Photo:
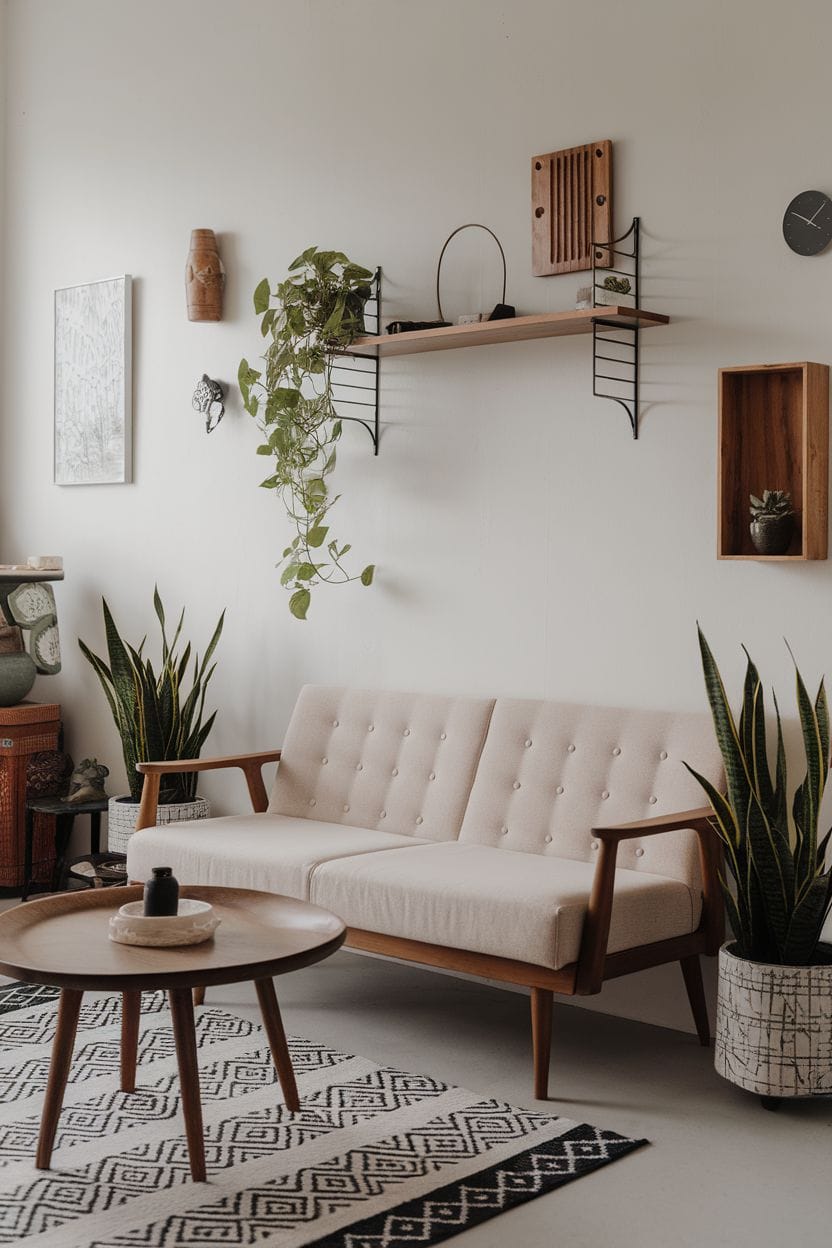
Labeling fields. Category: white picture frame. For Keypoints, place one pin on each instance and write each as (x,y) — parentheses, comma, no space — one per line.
(93,416)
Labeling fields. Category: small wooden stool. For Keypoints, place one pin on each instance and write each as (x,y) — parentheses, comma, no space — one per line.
(64,814)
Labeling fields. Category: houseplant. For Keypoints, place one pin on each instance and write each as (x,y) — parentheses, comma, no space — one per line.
(774,1011)
(772,522)
(155,718)
(317,311)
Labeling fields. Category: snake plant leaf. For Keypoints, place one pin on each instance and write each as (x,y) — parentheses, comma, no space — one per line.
(807,923)
(809,795)
(727,736)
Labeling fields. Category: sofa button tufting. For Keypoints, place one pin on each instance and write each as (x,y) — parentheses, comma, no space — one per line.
(382,814)
(639,852)
(359,766)
(406,732)
(324,761)
(594,845)
(516,784)
(605,794)
(346,807)
(570,749)
(504,830)
(432,776)
(335,723)
(559,789)
(394,772)
(371,727)
(617,751)
(663,755)
(528,742)
(312,802)
(419,819)
(653,801)
(443,736)
(548,840)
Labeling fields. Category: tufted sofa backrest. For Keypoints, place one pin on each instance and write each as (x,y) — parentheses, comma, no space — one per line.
(398,762)
(550,771)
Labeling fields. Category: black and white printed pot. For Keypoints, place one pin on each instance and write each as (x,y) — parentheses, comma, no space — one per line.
(122,814)
(774,1027)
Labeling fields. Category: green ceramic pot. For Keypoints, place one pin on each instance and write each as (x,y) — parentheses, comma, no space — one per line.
(17,675)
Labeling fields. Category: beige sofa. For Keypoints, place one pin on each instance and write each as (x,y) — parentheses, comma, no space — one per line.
(517,840)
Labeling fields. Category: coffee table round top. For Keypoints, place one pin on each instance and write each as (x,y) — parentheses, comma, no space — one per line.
(63,940)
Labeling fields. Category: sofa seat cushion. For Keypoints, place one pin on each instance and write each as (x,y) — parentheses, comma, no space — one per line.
(495,901)
(271,853)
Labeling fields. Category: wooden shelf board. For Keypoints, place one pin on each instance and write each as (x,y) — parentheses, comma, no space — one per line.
(765,558)
(518,329)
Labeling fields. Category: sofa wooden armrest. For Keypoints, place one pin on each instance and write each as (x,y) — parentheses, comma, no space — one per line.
(250,764)
(590,975)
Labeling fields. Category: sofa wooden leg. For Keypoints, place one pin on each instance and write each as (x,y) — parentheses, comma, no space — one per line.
(199,995)
(692,972)
(541,1004)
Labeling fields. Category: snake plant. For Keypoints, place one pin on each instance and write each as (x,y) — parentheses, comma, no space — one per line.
(155,719)
(777,889)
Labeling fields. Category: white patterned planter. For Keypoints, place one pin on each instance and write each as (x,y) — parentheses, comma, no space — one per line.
(122,815)
(774,1027)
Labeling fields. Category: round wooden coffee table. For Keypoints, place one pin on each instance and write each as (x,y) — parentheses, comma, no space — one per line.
(63,940)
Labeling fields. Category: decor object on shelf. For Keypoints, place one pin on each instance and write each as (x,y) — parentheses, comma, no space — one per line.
(25,731)
(155,718)
(93,385)
(161,893)
(86,784)
(45,563)
(807,223)
(29,641)
(408,327)
(47,774)
(472,1161)
(508,880)
(583,297)
(502,311)
(208,399)
(773,426)
(774,1013)
(772,521)
(571,207)
(204,277)
(319,311)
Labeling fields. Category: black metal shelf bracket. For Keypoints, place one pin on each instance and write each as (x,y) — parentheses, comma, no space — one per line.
(356,376)
(615,346)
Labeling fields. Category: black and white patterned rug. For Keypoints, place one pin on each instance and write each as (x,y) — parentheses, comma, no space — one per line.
(376,1158)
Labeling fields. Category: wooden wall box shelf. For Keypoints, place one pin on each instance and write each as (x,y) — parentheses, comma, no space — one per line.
(773,435)
(518,329)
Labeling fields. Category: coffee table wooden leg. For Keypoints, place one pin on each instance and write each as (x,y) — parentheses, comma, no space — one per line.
(277,1041)
(199,995)
(131,1011)
(182,1010)
(69,1007)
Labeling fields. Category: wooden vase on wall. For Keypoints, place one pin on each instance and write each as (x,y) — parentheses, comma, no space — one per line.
(204,278)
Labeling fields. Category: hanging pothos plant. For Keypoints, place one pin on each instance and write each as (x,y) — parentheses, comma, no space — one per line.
(317,310)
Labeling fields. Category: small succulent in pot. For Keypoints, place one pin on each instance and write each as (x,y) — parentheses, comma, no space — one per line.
(772,522)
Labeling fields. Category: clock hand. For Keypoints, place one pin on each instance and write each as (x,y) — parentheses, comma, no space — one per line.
(812,220)
(806,219)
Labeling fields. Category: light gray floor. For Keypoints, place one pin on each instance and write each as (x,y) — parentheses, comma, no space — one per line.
(720,1170)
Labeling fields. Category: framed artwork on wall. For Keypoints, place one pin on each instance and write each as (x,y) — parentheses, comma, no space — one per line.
(93,383)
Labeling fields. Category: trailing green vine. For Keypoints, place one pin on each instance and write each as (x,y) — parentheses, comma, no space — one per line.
(317,310)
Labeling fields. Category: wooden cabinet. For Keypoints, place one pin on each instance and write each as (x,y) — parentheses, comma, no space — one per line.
(773,435)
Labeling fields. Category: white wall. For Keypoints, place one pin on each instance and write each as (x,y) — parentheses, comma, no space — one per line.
(525,543)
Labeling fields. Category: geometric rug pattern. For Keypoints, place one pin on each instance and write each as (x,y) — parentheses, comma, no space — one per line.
(376,1157)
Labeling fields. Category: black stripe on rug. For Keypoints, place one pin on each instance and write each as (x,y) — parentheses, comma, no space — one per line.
(21,996)
(449,1210)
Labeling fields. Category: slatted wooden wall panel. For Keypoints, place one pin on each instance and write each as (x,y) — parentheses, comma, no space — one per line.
(571,205)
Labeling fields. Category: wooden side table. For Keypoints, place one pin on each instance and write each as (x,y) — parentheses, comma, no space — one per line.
(63,940)
(64,815)
(25,730)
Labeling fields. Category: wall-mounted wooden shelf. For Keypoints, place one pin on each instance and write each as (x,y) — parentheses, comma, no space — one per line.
(773,435)
(518,329)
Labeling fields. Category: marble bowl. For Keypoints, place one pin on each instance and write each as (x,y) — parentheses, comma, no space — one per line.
(194,923)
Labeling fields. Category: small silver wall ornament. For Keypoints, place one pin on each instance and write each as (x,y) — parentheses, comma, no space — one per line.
(208,399)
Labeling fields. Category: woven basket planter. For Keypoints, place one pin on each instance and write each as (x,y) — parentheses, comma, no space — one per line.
(774,1027)
(122,815)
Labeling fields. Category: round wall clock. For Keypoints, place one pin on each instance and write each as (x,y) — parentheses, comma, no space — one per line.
(807,224)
